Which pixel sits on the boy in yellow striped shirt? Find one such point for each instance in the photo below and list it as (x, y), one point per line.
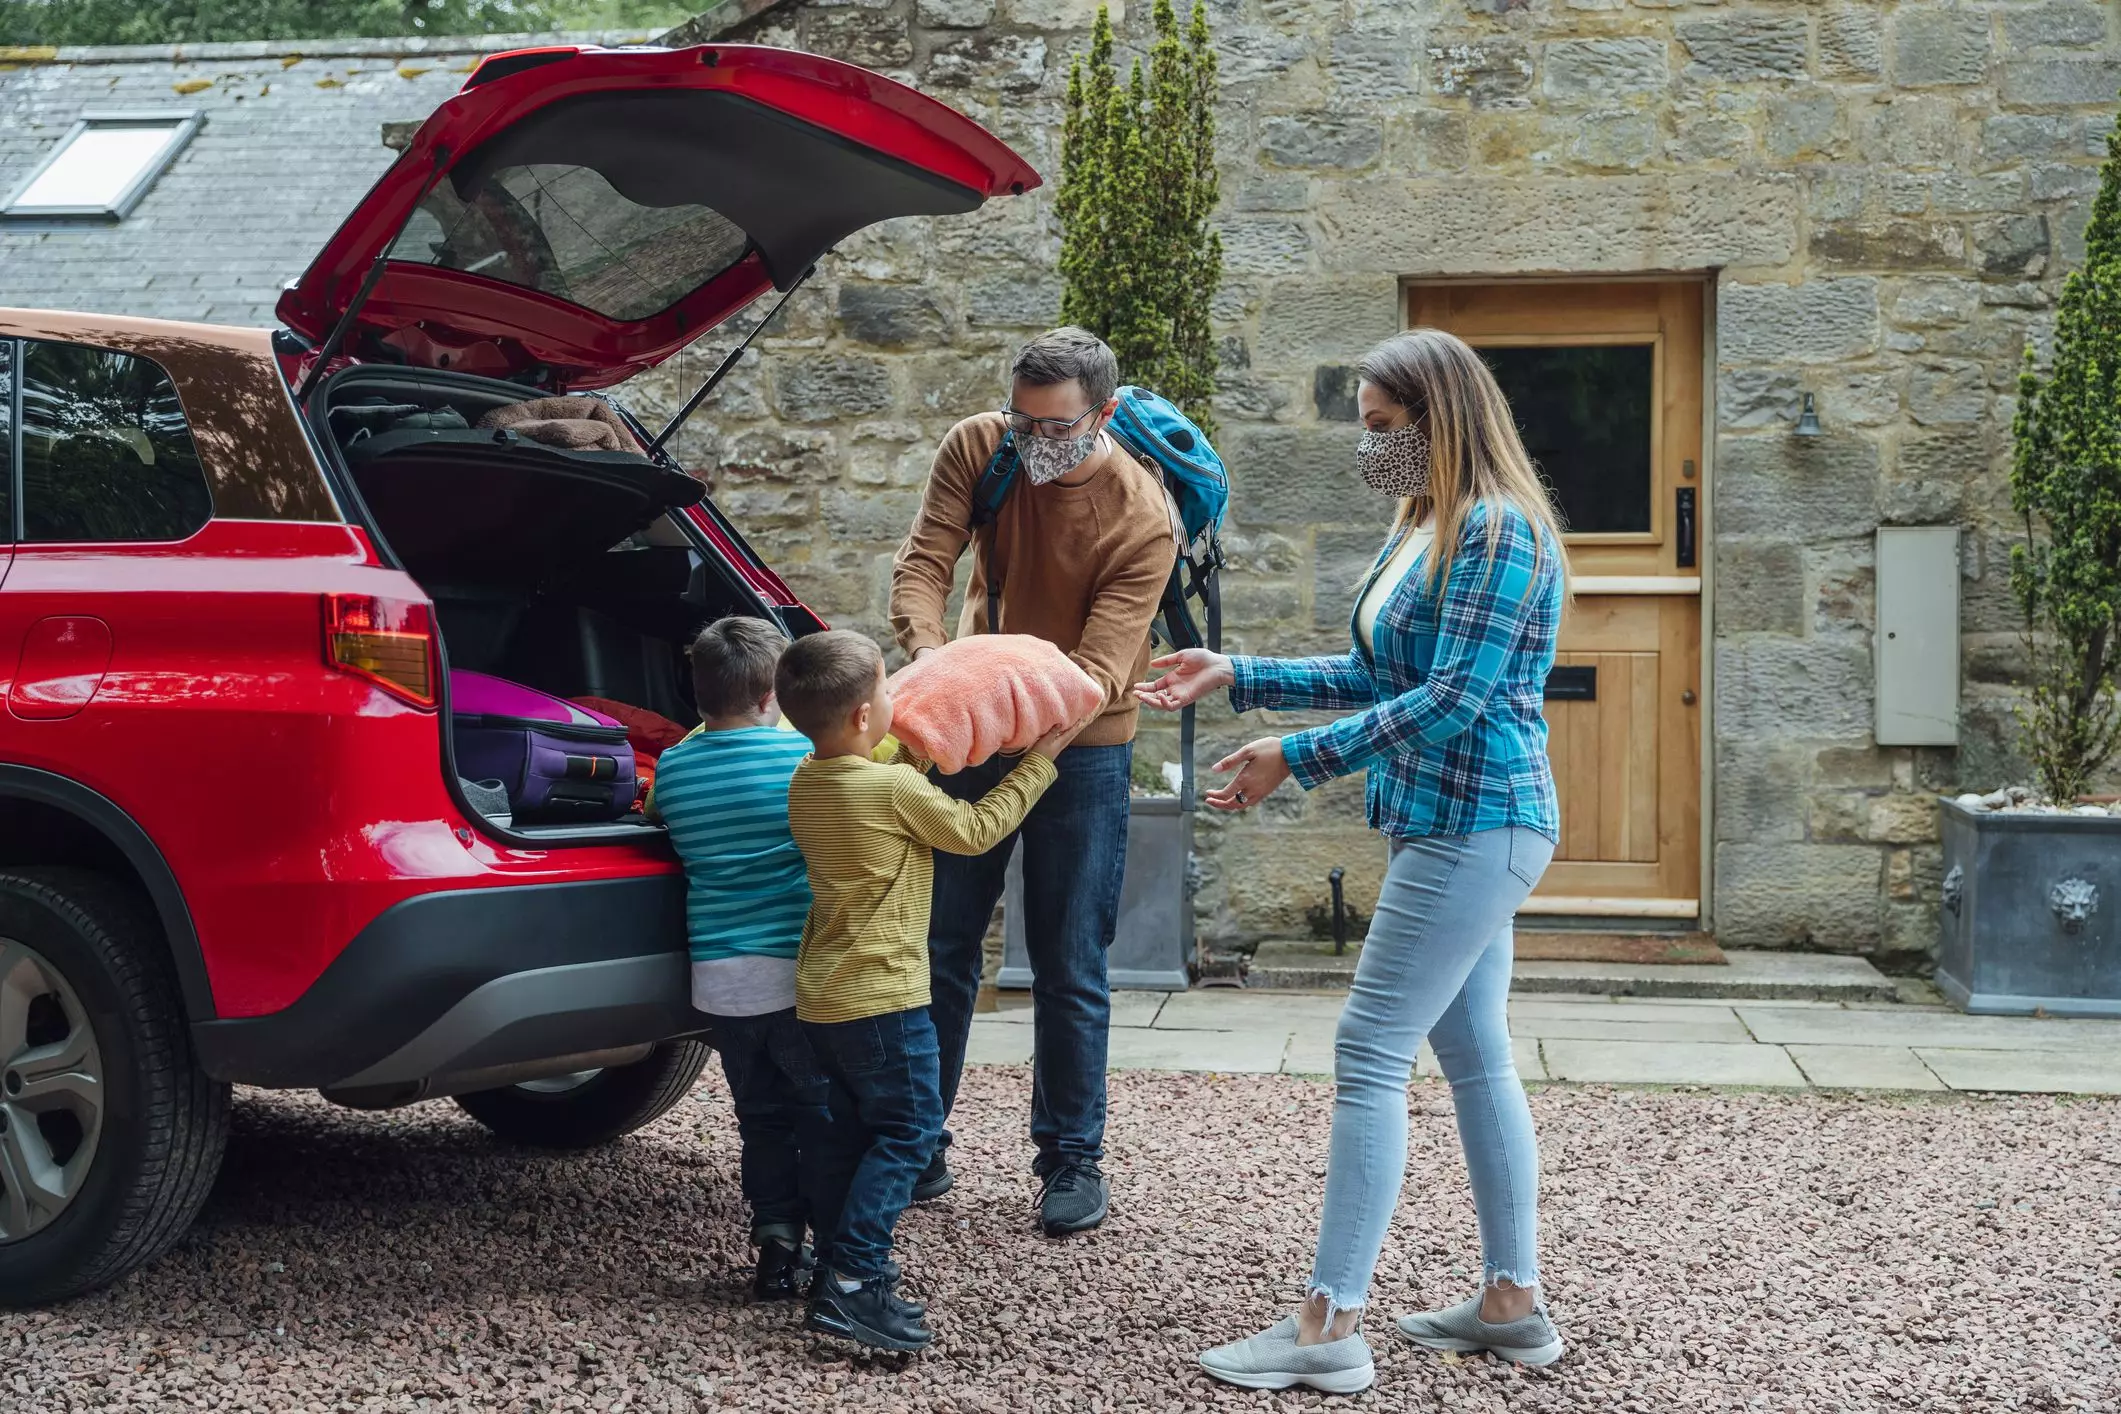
(868, 831)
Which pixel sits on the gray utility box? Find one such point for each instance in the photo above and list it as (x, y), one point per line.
(2031, 913)
(1154, 942)
(1916, 646)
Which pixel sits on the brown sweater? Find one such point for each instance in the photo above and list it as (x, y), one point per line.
(1082, 566)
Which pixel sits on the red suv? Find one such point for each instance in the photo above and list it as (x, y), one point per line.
(234, 845)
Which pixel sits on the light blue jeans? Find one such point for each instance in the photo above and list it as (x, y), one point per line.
(1436, 964)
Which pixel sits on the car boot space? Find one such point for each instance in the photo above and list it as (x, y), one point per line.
(559, 568)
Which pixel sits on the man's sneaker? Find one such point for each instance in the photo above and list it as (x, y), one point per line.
(1073, 1200)
(871, 1315)
(1273, 1360)
(1529, 1340)
(935, 1180)
(783, 1272)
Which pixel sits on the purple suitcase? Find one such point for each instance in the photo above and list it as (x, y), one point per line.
(558, 762)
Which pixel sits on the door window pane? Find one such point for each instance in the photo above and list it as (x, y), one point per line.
(106, 455)
(1584, 413)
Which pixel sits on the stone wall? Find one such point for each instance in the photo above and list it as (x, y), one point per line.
(1887, 194)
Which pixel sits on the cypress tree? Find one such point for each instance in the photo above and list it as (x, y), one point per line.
(2066, 482)
(1140, 264)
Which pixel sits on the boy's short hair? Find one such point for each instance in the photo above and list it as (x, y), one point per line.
(732, 665)
(1064, 353)
(824, 677)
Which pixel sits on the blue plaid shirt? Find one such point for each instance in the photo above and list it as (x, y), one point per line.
(1450, 726)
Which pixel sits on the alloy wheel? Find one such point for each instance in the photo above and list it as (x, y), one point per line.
(51, 1092)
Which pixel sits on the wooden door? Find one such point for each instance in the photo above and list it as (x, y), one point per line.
(1605, 380)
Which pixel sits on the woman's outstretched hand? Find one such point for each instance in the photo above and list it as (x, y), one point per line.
(1260, 767)
(1191, 674)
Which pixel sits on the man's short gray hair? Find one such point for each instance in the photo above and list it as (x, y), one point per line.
(1064, 353)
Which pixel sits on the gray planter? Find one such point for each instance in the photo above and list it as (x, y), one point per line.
(2031, 913)
(1154, 941)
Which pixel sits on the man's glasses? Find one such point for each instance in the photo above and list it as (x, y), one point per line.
(1024, 425)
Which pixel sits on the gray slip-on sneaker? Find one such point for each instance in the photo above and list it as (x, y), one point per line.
(1273, 1360)
(1529, 1340)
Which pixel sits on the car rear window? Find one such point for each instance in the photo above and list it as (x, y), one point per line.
(106, 453)
(564, 231)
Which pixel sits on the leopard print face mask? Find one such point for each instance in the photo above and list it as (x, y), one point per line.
(1395, 463)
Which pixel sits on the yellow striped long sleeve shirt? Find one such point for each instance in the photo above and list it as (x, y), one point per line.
(867, 832)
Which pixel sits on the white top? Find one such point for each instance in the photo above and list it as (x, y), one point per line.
(1395, 569)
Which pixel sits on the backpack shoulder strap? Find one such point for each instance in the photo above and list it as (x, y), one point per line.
(995, 482)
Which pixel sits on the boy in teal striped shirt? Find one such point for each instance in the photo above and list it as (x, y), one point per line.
(722, 793)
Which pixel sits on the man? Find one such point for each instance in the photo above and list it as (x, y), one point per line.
(1082, 549)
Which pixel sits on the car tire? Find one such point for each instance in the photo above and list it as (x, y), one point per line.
(90, 958)
(604, 1106)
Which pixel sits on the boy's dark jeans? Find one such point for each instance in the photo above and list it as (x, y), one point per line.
(1075, 855)
(779, 1091)
(887, 1115)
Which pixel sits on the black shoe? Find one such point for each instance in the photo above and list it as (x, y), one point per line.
(872, 1314)
(1073, 1200)
(784, 1271)
(935, 1180)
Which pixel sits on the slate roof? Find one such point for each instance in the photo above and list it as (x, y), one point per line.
(294, 134)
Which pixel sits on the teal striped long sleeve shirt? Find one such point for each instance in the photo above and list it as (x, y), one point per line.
(724, 798)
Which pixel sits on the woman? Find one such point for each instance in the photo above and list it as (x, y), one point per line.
(1454, 634)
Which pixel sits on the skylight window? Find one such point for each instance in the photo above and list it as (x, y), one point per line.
(101, 169)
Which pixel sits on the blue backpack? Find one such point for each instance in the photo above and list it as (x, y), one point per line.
(1157, 433)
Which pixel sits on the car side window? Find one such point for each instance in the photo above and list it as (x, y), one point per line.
(106, 455)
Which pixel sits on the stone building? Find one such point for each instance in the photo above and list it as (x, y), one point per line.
(1670, 222)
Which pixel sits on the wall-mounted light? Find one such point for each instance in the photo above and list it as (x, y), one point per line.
(1808, 420)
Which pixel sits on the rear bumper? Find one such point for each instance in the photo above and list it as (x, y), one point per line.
(473, 980)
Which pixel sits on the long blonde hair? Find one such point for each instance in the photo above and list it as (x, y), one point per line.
(1475, 454)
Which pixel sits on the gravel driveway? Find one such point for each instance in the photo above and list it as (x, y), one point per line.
(1732, 1251)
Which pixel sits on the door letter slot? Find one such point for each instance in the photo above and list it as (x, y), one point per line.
(1572, 684)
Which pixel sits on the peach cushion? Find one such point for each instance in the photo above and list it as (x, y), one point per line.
(988, 694)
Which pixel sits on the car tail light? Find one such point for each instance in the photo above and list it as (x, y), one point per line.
(390, 642)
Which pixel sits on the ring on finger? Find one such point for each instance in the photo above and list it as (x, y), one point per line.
(1240, 797)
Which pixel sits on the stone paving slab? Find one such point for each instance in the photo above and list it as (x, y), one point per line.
(1879, 1027)
(1614, 1040)
(1223, 1010)
(1128, 1008)
(1630, 1008)
(1813, 976)
(1670, 1027)
(997, 1043)
(1670, 1063)
(1227, 1052)
(2078, 1072)
(1864, 1068)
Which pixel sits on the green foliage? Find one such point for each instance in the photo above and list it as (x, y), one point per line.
(1139, 262)
(207, 21)
(2066, 481)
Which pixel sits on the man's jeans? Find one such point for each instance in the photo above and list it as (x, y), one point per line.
(778, 1091)
(1075, 853)
(886, 1119)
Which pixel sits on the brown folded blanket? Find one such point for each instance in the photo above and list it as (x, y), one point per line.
(577, 424)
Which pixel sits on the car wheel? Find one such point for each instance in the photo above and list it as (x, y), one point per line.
(110, 1134)
(590, 1107)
